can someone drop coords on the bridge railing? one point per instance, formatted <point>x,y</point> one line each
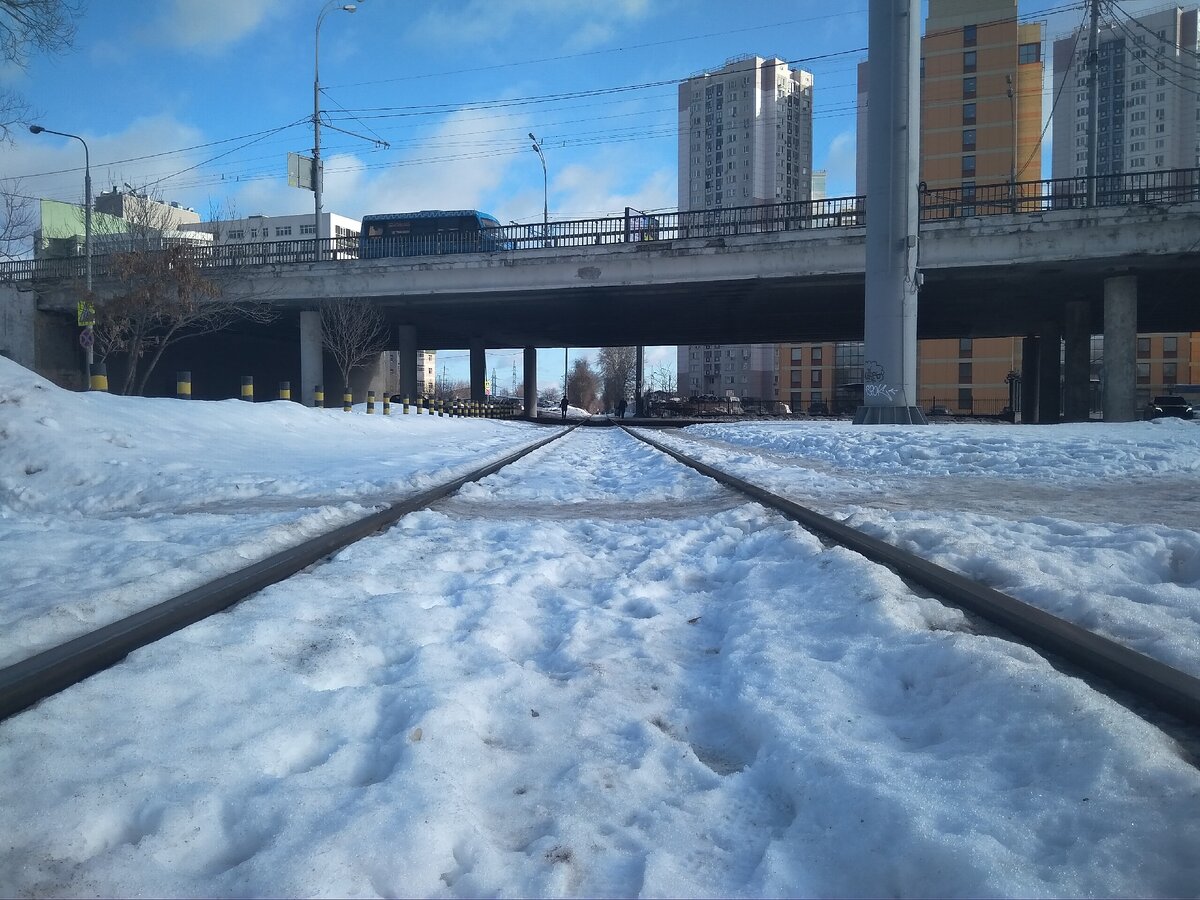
<point>1028,197</point>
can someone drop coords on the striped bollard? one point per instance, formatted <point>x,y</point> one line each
<point>440,408</point>
<point>285,390</point>
<point>248,388</point>
<point>318,397</point>
<point>387,405</point>
<point>370,403</point>
<point>98,380</point>
<point>183,385</point>
<point>347,401</point>
<point>406,405</point>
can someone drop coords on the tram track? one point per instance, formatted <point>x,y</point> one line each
<point>1132,674</point>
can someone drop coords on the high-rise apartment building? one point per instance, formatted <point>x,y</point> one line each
<point>1148,82</point>
<point>745,138</point>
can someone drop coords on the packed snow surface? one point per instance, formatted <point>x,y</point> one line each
<point>595,673</point>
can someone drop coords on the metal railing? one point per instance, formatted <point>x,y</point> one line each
<point>636,227</point>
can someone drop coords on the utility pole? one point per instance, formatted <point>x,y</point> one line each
<point>1093,59</point>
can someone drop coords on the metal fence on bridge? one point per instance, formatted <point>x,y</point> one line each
<point>1132,189</point>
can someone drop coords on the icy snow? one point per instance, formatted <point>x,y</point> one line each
<point>595,673</point>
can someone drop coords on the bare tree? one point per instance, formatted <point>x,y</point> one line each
<point>16,222</point>
<point>663,378</point>
<point>353,332</point>
<point>617,365</point>
<point>26,26</point>
<point>583,386</point>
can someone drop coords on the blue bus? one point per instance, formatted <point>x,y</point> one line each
<point>427,233</point>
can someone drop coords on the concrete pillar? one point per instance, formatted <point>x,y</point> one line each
<point>1119,375</point>
<point>478,370</point>
<point>531,389</point>
<point>639,403</point>
<point>1050,375</point>
<point>406,343</point>
<point>1077,374</point>
<point>18,315</point>
<point>893,121</point>
<point>1030,353</point>
<point>312,354</point>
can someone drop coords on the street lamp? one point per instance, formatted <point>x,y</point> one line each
<point>347,7</point>
<point>537,148</point>
<point>87,232</point>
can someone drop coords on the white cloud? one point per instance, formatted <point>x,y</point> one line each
<point>211,25</point>
<point>587,23</point>
<point>597,188</point>
<point>840,163</point>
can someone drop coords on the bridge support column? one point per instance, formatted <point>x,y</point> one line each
<point>406,343</point>
<point>1077,375</point>
<point>890,333</point>
<point>478,370</point>
<point>1119,375</point>
<point>531,387</point>
<point>1050,375</point>
<point>312,354</point>
<point>639,387</point>
<point>1030,353</point>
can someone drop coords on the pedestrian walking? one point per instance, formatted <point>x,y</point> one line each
<point>563,406</point>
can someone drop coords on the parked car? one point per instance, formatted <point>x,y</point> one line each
<point>940,411</point>
<point>1169,405</point>
<point>818,409</point>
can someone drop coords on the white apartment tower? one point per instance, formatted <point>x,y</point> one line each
<point>745,139</point>
<point>1149,118</point>
<point>745,135</point>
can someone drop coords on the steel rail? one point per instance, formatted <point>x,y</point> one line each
<point>44,674</point>
<point>1141,676</point>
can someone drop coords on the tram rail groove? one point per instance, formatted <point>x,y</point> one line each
<point>1143,677</point>
<point>47,673</point>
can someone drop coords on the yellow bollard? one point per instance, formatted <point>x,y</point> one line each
<point>387,405</point>
<point>248,388</point>
<point>440,409</point>
<point>406,406</point>
<point>318,397</point>
<point>98,380</point>
<point>347,401</point>
<point>285,390</point>
<point>370,403</point>
<point>183,385</point>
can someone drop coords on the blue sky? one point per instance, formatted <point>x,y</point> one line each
<point>203,99</point>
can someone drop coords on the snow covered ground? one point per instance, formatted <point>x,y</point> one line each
<point>595,673</point>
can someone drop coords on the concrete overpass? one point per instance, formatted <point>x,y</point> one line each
<point>1042,275</point>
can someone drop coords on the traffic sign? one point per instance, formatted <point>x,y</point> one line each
<point>85,314</point>
<point>86,338</point>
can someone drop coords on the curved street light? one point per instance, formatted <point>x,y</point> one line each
<point>316,119</point>
<point>87,231</point>
<point>537,148</point>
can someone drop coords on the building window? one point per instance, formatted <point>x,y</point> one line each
<point>964,373</point>
<point>283,231</point>
<point>969,61</point>
<point>1170,374</point>
<point>1170,347</point>
<point>237,235</point>
<point>969,88</point>
<point>308,229</point>
<point>797,355</point>
<point>968,166</point>
<point>1143,347</point>
<point>968,113</point>
<point>797,378</point>
<point>969,33</point>
<point>965,346</point>
<point>815,356</point>
<point>968,139</point>
<point>816,378</point>
<point>1029,53</point>
<point>965,399</point>
<point>1143,373</point>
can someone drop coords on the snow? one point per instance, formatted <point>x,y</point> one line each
<point>595,673</point>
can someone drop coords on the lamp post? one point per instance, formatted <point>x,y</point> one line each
<point>348,7</point>
<point>87,234</point>
<point>537,148</point>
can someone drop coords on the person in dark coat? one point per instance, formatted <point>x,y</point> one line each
<point>621,407</point>
<point>563,406</point>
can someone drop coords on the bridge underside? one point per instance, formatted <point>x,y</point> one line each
<point>978,303</point>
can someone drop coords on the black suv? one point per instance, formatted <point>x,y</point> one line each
<point>1169,406</point>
